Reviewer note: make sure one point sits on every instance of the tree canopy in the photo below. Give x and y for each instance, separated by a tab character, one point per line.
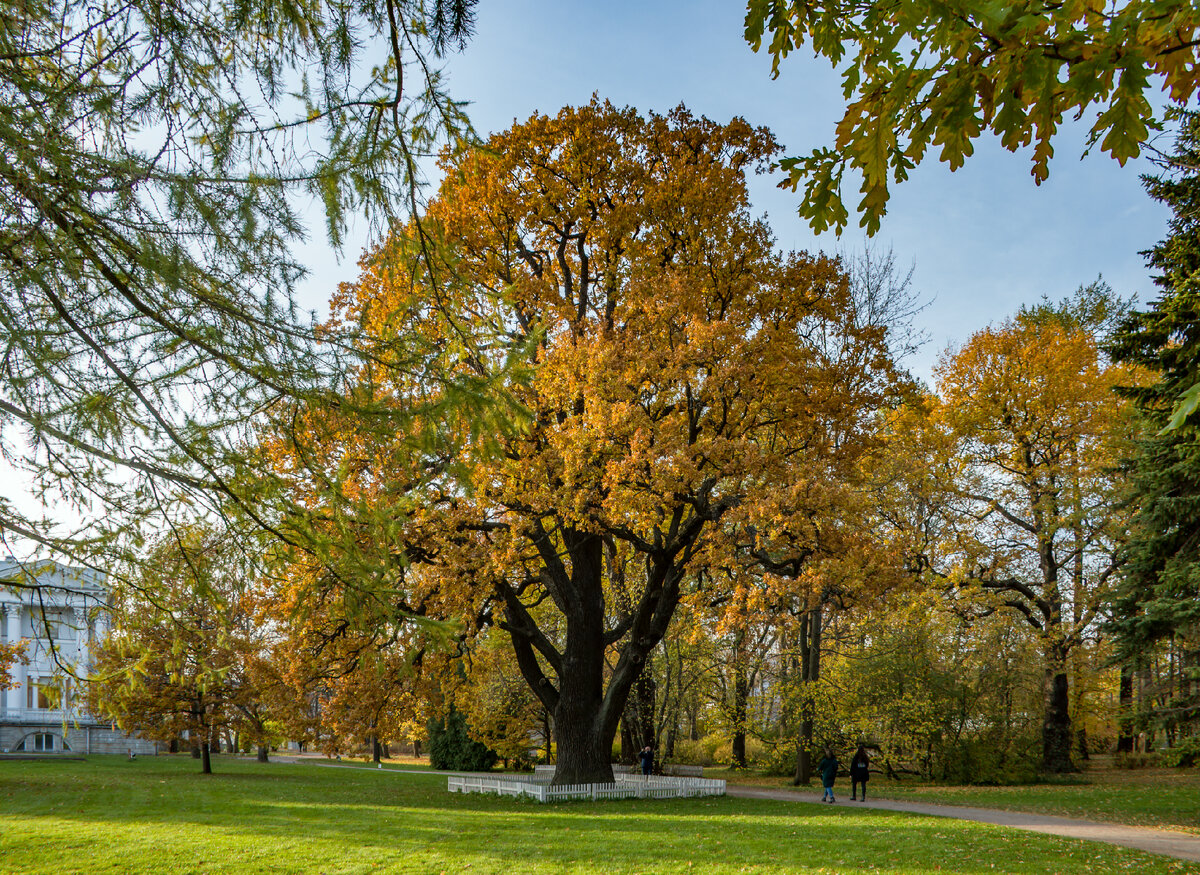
153	161
680	369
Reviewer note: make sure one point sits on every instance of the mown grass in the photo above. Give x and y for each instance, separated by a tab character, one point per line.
159	815
1167	798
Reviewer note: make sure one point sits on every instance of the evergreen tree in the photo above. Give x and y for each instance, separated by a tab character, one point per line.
1159	594
451	747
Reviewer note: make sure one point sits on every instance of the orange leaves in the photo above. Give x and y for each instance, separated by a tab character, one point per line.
11	652
682	383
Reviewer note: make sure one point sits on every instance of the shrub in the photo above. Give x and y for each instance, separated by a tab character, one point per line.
983	760
1183	755
1130	760
452	748
778	759
699	753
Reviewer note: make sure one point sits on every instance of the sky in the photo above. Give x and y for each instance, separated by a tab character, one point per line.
983	240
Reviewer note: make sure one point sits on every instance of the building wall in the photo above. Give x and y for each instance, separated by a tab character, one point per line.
79	739
72	602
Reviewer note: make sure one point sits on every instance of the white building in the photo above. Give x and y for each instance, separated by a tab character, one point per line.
60	612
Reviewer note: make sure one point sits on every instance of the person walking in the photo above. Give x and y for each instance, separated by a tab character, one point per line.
647	758
860	773
828	767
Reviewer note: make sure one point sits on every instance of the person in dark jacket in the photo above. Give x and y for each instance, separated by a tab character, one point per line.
828	768
860	773
647	758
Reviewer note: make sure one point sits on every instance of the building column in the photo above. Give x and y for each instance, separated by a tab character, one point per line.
17	694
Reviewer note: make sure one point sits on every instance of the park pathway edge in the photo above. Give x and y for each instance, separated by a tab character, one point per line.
1167	843
1180	845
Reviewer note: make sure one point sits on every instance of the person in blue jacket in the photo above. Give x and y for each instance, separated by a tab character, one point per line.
647	758
828	768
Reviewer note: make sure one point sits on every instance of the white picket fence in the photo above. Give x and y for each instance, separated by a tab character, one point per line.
670	769
617	768
624	787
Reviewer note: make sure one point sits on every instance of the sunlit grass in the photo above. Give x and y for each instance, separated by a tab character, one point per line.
1168	798
159	815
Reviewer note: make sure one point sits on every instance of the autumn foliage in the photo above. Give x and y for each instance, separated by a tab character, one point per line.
683	379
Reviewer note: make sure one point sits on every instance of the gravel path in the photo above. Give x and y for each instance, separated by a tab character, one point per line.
1156	841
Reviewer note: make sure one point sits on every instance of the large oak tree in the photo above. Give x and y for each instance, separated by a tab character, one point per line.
679	364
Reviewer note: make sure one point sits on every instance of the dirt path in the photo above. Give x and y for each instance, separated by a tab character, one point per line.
1156	841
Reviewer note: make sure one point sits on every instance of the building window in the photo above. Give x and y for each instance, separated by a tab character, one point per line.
43	741
42	694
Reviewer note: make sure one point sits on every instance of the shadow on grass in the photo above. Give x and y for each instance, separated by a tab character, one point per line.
312	813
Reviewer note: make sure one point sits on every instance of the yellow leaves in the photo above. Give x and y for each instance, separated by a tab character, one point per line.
1023	383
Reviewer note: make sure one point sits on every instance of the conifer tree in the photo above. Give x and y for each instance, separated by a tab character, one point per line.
154	160
1159	593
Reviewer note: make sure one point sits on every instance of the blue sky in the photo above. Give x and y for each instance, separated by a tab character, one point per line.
984	239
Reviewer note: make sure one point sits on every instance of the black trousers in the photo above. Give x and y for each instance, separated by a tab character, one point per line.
854	788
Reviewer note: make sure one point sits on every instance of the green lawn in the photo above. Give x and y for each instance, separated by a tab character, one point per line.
159	815
1167	798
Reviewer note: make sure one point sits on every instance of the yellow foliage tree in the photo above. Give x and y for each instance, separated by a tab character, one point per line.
675	358
1037	433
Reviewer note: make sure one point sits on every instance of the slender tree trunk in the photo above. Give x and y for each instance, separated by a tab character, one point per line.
263	753
1056	707
810	674
646	693
376	749
1125	716
629	745
1078	591
741	696
205	759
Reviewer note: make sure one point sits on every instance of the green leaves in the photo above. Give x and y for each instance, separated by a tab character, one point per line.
152	164
1189	401
1012	68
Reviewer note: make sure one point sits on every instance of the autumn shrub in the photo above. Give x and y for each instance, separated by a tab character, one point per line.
1183	755
1122	760
980	759
777	759
723	753
704	752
